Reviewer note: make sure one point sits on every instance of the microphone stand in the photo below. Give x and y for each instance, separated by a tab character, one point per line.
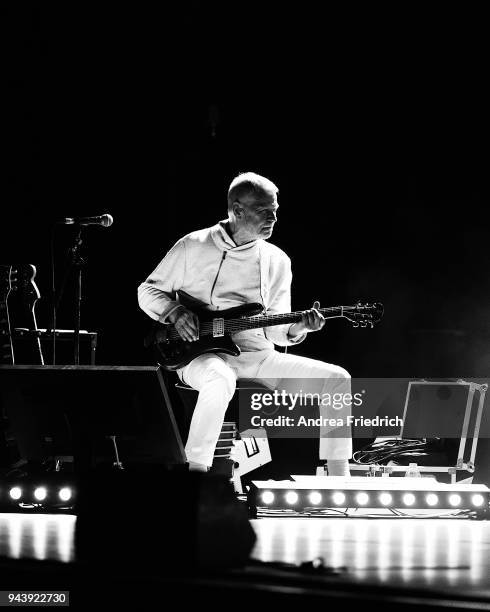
78	263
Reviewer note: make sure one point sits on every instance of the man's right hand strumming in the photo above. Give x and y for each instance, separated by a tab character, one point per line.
186	323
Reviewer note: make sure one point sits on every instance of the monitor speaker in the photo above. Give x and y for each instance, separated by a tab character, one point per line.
82	410
147	521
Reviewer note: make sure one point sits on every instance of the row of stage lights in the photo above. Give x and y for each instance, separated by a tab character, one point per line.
375	499
38	495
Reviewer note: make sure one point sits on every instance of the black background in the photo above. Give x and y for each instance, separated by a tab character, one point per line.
372	122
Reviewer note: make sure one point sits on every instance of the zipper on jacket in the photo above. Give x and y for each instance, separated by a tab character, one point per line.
216	278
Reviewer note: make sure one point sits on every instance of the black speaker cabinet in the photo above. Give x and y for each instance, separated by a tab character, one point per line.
152	522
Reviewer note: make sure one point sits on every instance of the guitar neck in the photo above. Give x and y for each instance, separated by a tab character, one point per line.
232	326
359	315
6	346
256	322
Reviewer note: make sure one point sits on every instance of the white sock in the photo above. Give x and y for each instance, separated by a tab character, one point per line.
197	467
338	467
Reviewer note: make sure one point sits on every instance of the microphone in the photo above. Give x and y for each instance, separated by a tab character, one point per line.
104	220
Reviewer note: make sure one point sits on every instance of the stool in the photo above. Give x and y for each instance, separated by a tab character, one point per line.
222	463
225	441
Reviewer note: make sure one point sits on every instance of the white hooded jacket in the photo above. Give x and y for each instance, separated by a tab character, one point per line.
210	267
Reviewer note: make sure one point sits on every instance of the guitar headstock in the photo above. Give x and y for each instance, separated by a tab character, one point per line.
26	273
18	277
363	315
7	281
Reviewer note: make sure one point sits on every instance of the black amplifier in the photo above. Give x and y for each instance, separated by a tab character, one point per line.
30	345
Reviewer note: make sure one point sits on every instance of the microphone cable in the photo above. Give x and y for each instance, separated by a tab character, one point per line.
379	452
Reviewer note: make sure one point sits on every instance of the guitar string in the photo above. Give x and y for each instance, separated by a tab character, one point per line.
236	325
258	320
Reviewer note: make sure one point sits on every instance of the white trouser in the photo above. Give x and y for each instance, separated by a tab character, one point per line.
215	376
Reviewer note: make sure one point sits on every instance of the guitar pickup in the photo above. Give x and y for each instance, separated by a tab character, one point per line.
218	328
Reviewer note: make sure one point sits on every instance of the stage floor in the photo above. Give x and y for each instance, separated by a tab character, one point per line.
439	553
450	556
40	537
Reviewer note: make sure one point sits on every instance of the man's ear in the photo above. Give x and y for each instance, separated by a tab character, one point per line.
237	209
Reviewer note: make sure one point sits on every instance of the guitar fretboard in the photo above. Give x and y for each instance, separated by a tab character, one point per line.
232	326
258	321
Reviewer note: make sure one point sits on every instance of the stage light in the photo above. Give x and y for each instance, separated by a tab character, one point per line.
315	498
40	493
362	498
65	494
267	497
338	498
291	497
455	499
386	499
409	499
432	499
477	500
359	494
15	493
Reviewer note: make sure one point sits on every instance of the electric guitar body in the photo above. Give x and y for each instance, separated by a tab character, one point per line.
173	352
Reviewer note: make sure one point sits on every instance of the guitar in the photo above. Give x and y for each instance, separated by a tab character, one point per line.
17	285
6	345
215	331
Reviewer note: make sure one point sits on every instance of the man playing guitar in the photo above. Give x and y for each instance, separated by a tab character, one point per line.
223	267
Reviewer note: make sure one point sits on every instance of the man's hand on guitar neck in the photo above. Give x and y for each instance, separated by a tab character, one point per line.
186	323
311	321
